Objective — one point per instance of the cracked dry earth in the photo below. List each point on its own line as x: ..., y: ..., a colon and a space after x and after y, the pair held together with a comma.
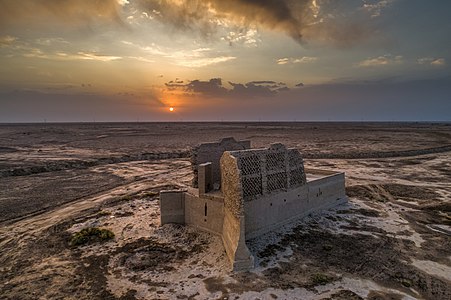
x: 391, y: 241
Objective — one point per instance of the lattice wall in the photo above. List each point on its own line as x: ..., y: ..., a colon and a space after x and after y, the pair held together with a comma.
x: 265, y: 171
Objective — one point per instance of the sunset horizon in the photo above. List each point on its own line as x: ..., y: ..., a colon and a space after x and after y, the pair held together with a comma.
x: 310, y: 60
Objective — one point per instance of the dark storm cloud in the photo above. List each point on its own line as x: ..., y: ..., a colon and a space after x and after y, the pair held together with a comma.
x: 171, y: 85
x: 257, y: 88
x: 282, y: 15
x: 285, y: 15
x: 70, y: 12
x: 250, y: 90
x: 263, y: 82
x: 333, y: 22
x: 325, y: 21
x: 215, y: 88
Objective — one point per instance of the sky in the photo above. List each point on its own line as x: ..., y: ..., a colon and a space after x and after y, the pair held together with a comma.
x: 217, y: 60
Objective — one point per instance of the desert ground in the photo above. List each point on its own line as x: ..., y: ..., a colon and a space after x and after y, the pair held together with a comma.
x: 392, y: 240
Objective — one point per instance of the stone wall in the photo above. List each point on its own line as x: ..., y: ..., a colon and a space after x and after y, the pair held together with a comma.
x: 212, y: 152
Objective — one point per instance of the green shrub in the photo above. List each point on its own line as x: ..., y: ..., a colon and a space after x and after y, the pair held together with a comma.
x: 91, y: 234
x: 321, y: 279
x: 406, y: 282
x: 327, y: 247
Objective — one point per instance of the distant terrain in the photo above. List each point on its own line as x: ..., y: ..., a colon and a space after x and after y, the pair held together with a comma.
x: 391, y: 241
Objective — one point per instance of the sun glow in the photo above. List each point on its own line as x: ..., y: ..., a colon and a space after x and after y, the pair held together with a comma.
x: 171, y: 109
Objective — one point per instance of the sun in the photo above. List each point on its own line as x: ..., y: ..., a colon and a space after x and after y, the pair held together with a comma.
x: 171, y: 109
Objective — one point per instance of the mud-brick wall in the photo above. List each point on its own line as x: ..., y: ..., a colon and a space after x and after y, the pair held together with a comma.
x: 271, y: 211
x: 181, y: 207
x: 233, y: 235
x: 204, y: 213
x: 172, y: 207
x: 327, y: 191
x: 212, y: 152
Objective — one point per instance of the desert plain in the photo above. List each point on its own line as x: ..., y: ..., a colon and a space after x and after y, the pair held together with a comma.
x: 392, y: 240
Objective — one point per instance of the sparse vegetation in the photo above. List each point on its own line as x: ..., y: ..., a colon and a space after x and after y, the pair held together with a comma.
x: 321, y: 279
x: 406, y: 282
x: 103, y: 213
x: 327, y: 247
x: 126, y: 198
x: 149, y: 194
x: 92, y: 234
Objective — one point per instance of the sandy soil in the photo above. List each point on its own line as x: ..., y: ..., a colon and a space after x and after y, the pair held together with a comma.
x: 391, y: 241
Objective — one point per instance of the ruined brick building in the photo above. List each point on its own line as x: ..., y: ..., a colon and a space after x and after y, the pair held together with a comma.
x: 240, y: 193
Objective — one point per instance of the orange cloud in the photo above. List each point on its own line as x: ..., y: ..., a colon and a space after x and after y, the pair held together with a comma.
x: 70, y: 12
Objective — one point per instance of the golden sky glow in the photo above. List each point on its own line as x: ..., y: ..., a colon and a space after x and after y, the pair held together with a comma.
x: 274, y: 60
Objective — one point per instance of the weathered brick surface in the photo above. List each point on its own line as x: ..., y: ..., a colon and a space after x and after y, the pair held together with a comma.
x: 231, y: 186
x: 212, y: 152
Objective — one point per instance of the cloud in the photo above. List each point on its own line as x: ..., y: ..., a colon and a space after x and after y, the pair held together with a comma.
x: 195, y: 58
x: 299, y: 60
x: 281, y: 15
x: 305, y: 59
x: 140, y: 58
x: 431, y: 61
x: 238, y: 21
x: 381, y: 61
x: 299, y: 85
x: 69, y: 12
x: 248, y: 37
x: 375, y: 7
x: 438, y: 62
x: 123, y: 2
x: 262, y: 88
x: 38, y: 53
x: 91, y: 56
x: 215, y: 88
x: 51, y: 41
x: 7, y: 40
x: 203, y: 62
x: 324, y: 21
x: 253, y: 89
x: 282, y: 61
